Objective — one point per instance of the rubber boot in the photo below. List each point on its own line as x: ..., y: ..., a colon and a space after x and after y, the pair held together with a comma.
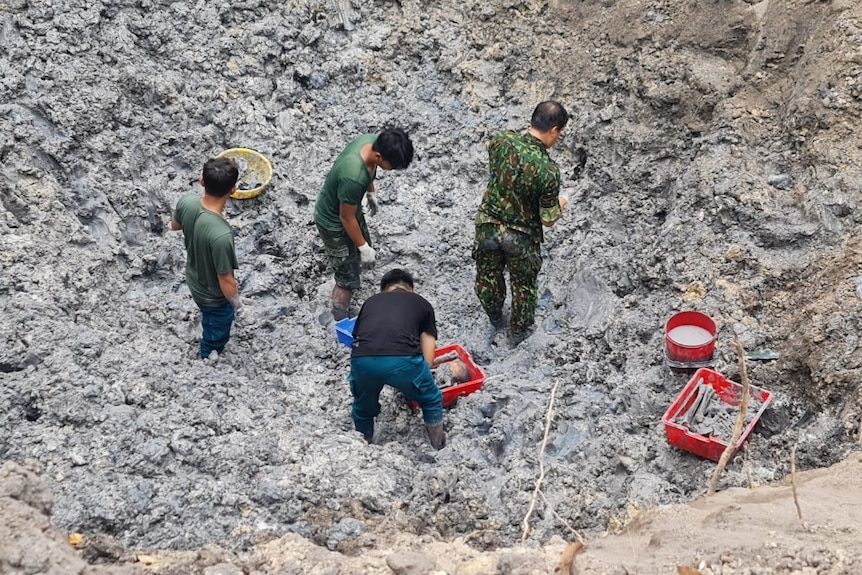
x: 436, y: 435
x: 341, y: 303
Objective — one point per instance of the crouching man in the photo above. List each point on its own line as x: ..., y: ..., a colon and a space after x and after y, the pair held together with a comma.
x: 393, y: 344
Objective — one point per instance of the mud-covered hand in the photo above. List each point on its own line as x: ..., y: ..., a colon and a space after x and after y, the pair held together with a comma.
x: 372, y: 203
x: 580, y: 161
x: 243, y: 314
x: 367, y: 256
x: 563, y: 199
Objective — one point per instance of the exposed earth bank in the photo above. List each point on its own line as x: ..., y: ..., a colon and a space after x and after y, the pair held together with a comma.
x: 723, y: 175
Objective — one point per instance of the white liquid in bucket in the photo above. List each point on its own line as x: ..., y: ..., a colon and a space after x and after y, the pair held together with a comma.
x: 690, y: 335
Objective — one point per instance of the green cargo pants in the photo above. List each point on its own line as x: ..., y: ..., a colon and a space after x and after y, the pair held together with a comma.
x: 497, y: 248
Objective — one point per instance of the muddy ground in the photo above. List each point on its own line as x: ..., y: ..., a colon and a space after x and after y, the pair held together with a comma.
x: 723, y: 176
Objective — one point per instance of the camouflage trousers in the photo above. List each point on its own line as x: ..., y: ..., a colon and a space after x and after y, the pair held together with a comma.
x: 343, y: 256
x: 497, y: 248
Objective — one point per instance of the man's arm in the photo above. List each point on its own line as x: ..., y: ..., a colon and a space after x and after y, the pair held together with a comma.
x: 551, y: 209
x: 347, y: 215
x: 428, y: 344
x: 551, y: 204
x: 175, y: 225
x: 227, y: 285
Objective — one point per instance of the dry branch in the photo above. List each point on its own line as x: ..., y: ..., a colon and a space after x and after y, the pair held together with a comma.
x: 740, y: 419
x: 548, y: 417
x: 560, y: 519
x: 567, y: 558
x: 793, y: 481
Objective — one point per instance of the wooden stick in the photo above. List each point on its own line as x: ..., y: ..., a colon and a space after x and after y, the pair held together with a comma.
x: 560, y: 519
x: 567, y: 559
x: 740, y: 418
x: 793, y: 481
x: 526, y: 523
x: 747, y: 465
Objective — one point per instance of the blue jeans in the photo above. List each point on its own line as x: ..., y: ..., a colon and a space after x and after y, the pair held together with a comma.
x: 216, y: 322
x: 409, y: 374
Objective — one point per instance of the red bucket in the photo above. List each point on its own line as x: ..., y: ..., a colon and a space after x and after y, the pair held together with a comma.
x: 689, y: 337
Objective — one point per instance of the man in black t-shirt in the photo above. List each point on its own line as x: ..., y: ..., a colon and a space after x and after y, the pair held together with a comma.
x: 394, y: 340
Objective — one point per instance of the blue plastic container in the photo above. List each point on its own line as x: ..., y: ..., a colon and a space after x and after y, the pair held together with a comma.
x: 344, y: 330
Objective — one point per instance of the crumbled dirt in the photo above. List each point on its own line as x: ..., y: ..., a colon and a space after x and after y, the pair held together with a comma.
x: 723, y: 175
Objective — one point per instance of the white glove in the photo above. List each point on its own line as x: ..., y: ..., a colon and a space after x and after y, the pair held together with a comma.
x: 237, y: 302
x: 564, y: 200
x: 367, y: 255
x: 242, y: 308
x: 371, y: 202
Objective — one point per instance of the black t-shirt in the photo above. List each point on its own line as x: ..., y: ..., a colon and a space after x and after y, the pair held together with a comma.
x: 390, y: 323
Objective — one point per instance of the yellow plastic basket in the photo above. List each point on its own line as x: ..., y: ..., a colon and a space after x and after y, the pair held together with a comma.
x: 255, y: 172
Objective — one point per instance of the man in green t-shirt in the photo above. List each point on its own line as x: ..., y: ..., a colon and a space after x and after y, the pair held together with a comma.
x: 211, y: 256
x: 338, y: 209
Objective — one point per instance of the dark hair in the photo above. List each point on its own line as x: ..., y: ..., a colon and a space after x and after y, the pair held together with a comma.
x: 396, y: 276
x: 395, y: 147
x: 220, y: 176
x: 549, y: 114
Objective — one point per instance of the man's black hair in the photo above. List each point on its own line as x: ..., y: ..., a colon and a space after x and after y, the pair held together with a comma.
x: 220, y: 176
x: 395, y: 146
x: 549, y: 114
x: 396, y: 276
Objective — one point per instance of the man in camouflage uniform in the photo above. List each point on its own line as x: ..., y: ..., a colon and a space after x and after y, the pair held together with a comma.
x: 522, y: 196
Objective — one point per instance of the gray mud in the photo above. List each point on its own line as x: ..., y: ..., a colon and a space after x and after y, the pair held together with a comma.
x: 700, y: 192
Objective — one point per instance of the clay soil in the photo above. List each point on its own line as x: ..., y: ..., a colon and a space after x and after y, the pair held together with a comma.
x: 723, y: 175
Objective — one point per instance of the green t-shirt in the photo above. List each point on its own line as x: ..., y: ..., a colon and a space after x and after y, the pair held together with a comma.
x: 345, y: 183
x: 523, y: 187
x: 209, y: 247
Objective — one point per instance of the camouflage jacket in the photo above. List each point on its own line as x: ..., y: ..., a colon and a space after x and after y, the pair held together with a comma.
x: 523, y: 187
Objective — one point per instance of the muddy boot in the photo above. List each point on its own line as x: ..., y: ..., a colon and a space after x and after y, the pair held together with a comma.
x: 516, y: 337
x: 497, y: 321
x: 369, y: 437
x: 341, y: 303
x: 436, y: 435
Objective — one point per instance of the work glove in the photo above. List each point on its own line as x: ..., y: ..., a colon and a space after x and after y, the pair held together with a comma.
x: 564, y: 199
x: 241, y: 308
x: 371, y: 203
x: 367, y: 256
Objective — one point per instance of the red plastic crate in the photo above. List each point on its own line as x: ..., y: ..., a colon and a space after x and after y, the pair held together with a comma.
x: 477, y: 376
x: 730, y: 393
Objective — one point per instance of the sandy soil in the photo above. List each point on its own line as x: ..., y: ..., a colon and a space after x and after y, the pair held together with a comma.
x: 723, y: 175
x: 812, y: 527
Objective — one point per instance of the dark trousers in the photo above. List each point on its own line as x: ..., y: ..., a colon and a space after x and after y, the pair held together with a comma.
x: 408, y: 374
x: 216, y: 322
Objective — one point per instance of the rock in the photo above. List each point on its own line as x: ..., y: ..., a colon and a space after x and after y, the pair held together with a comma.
x: 223, y: 569
x: 21, y: 482
x: 483, y: 565
x: 347, y: 528
x: 410, y: 563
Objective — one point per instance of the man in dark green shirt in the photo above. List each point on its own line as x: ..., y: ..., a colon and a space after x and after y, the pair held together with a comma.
x: 338, y: 209
x: 521, y: 197
x: 210, y: 252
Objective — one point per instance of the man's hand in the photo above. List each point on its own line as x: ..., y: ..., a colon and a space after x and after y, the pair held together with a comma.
x: 242, y: 310
x: 371, y: 203
x: 564, y: 199
x: 367, y: 256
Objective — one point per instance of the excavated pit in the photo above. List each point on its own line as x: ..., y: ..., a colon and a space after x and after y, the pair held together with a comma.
x: 723, y: 175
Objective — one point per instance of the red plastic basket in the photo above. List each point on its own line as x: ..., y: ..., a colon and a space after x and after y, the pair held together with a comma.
x: 728, y: 392
x: 474, y: 383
